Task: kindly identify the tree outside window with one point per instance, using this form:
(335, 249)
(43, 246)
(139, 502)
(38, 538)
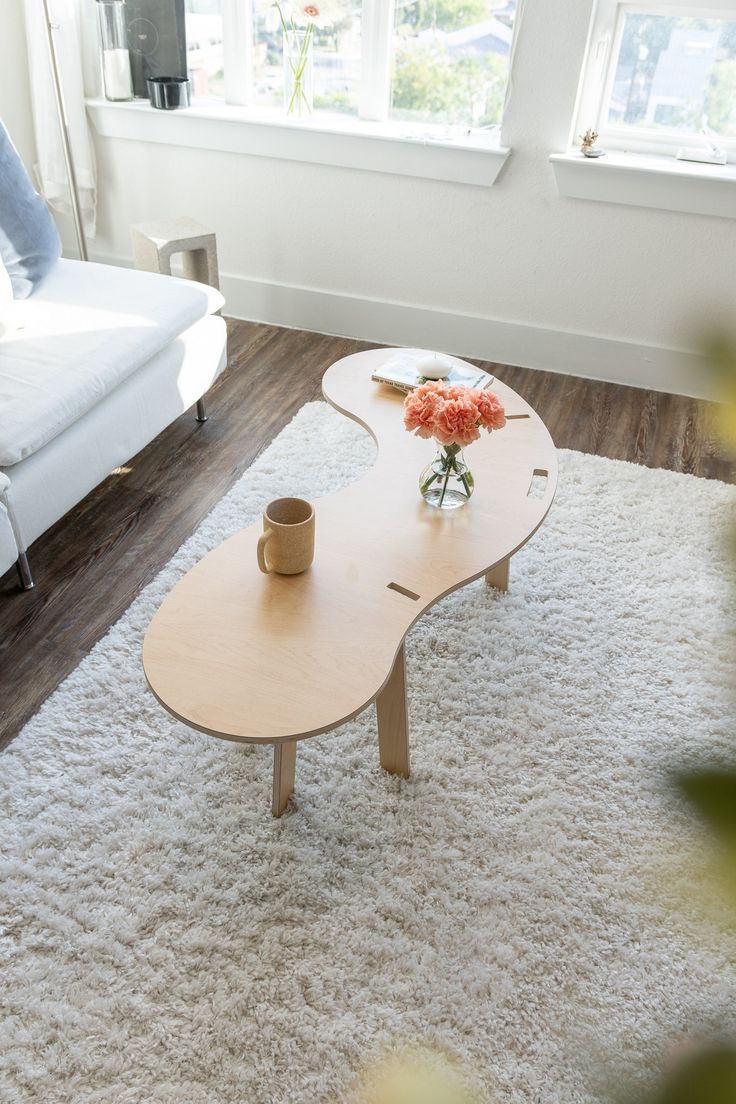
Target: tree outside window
(451, 60)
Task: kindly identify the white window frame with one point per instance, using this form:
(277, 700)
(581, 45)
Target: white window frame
(599, 71)
(376, 27)
(237, 42)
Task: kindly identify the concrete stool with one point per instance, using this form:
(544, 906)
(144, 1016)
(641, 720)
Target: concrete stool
(155, 243)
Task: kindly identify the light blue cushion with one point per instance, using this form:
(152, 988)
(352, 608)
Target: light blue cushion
(29, 241)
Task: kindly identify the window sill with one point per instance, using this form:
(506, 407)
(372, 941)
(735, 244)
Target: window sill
(475, 158)
(643, 180)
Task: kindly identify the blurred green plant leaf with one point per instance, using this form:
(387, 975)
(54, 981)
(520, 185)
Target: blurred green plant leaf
(707, 1077)
(719, 347)
(713, 793)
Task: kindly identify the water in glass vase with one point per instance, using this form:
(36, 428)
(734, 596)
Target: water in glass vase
(299, 72)
(448, 481)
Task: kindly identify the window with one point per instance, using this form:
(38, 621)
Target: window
(450, 60)
(661, 76)
(205, 50)
(419, 63)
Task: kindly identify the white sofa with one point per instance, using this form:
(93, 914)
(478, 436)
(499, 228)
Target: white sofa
(99, 360)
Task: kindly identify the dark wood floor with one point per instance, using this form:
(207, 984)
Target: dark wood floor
(91, 565)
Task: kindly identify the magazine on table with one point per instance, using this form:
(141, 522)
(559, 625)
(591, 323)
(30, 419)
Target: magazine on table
(401, 372)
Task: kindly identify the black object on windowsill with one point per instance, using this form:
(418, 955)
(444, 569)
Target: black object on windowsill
(168, 93)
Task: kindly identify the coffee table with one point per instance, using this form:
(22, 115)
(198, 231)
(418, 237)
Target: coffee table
(273, 659)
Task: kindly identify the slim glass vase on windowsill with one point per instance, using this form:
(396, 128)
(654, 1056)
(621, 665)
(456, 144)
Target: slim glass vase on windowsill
(298, 72)
(116, 76)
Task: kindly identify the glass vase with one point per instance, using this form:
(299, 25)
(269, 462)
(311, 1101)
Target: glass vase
(448, 481)
(116, 77)
(298, 72)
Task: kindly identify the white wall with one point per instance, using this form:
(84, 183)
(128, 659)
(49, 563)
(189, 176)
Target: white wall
(15, 96)
(513, 272)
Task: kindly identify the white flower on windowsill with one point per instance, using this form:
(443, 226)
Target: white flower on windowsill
(296, 17)
(319, 17)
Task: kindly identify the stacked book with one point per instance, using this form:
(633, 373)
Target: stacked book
(406, 370)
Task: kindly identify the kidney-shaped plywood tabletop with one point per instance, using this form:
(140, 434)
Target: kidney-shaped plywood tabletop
(265, 658)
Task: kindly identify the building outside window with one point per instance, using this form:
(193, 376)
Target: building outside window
(660, 76)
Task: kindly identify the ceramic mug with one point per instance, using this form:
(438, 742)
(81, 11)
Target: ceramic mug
(287, 544)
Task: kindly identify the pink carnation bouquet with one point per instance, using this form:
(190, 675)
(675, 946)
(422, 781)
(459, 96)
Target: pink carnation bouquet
(454, 416)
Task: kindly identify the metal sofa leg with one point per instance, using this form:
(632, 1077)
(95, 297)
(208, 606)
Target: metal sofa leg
(24, 572)
(22, 564)
(201, 411)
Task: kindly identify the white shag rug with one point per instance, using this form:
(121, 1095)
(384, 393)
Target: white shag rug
(163, 939)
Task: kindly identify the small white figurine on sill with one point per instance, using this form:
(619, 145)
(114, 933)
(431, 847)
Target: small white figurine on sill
(588, 146)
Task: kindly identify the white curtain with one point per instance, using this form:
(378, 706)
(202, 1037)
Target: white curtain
(50, 169)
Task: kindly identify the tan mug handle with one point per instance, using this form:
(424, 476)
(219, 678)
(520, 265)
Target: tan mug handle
(261, 551)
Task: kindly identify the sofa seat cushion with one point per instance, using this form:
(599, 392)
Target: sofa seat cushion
(85, 329)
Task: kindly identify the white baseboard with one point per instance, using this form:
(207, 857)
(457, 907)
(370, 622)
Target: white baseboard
(655, 367)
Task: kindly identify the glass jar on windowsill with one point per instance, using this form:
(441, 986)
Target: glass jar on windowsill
(114, 56)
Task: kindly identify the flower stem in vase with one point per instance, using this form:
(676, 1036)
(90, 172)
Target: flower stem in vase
(447, 482)
(298, 70)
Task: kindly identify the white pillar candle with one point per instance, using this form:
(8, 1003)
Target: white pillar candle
(433, 366)
(116, 74)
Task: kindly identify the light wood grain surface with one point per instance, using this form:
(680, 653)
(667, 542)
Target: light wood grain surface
(393, 720)
(258, 658)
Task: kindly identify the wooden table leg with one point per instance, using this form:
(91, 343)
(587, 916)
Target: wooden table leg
(284, 772)
(498, 576)
(393, 721)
